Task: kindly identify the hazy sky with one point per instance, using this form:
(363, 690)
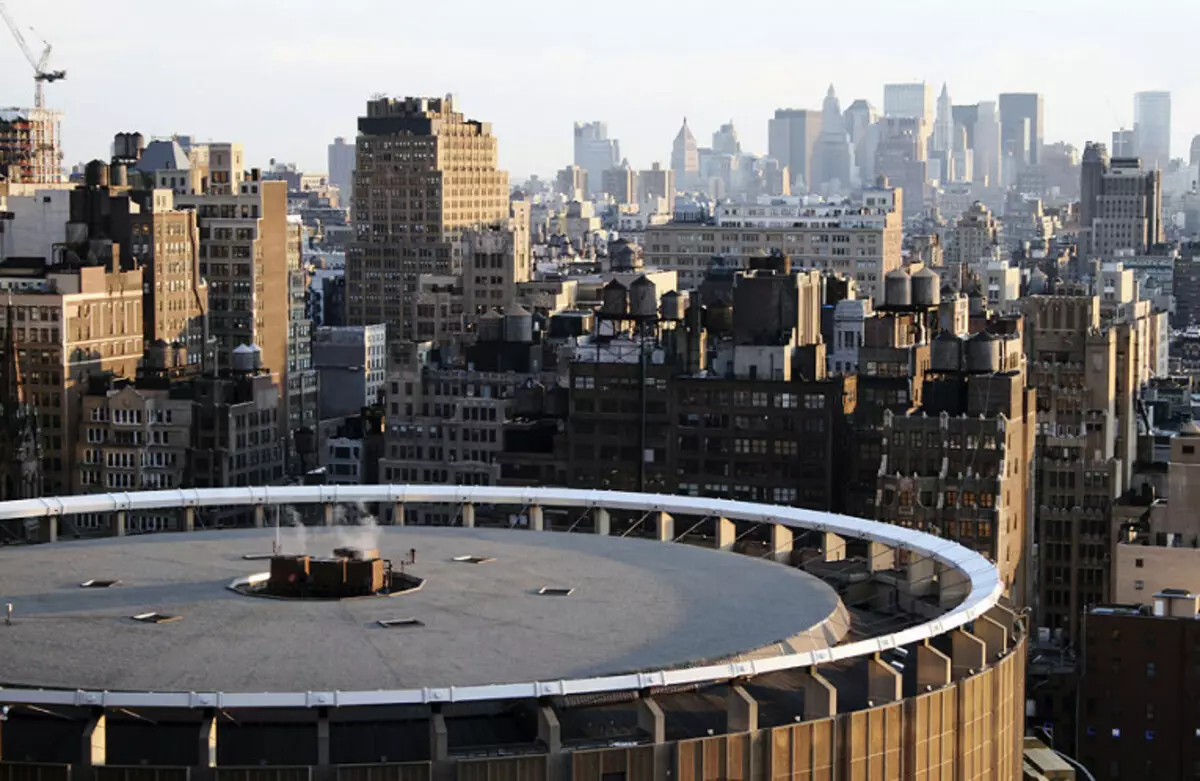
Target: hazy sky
(286, 76)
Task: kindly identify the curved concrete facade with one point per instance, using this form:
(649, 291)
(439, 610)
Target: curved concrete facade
(929, 686)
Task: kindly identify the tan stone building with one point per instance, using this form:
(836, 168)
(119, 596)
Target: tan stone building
(495, 260)
(70, 324)
(861, 241)
(424, 175)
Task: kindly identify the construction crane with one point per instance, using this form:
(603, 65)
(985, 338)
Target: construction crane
(40, 75)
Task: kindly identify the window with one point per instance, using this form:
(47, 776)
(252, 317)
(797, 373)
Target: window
(1139, 563)
(1151, 669)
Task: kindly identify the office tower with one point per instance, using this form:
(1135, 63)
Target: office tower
(792, 139)
(1152, 128)
(1022, 127)
(974, 240)
(620, 183)
(1194, 152)
(859, 119)
(901, 158)
(832, 155)
(30, 145)
(944, 142)
(572, 182)
(341, 169)
(243, 255)
(909, 101)
(658, 182)
(685, 158)
(595, 152)
(725, 140)
(1120, 206)
(986, 147)
(71, 322)
(1124, 143)
(448, 159)
(236, 437)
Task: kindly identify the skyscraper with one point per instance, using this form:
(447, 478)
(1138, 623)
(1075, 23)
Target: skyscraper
(685, 158)
(447, 164)
(1152, 128)
(792, 138)
(860, 121)
(986, 146)
(831, 164)
(909, 101)
(595, 152)
(1120, 205)
(341, 169)
(943, 143)
(1022, 127)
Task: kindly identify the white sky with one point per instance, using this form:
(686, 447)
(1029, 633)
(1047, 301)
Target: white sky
(286, 76)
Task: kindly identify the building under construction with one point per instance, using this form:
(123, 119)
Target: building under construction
(30, 145)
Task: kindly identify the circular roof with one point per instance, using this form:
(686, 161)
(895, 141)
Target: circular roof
(635, 605)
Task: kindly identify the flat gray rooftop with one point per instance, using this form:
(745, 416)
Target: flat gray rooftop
(637, 604)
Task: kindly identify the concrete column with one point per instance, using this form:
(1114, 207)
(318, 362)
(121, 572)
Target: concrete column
(741, 711)
(967, 653)
(94, 750)
(933, 668)
(920, 576)
(328, 512)
(189, 519)
(537, 521)
(117, 524)
(206, 742)
(602, 520)
(48, 529)
(820, 696)
(993, 635)
(398, 514)
(883, 681)
(782, 541)
(880, 557)
(260, 516)
(439, 738)
(549, 731)
(651, 720)
(726, 534)
(468, 515)
(953, 586)
(323, 737)
(664, 526)
(833, 547)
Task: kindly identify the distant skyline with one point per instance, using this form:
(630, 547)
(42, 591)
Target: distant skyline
(284, 77)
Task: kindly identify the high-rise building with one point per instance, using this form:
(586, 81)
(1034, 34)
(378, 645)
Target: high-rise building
(1022, 127)
(860, 121)
(658, 182)
(243, 255)
(946, 148)
(572, 182)
(725, 140)
(1152, 128)
(352, 361)
(685, 158)
(902, 157)
(595, 152)
(1120, 206)
(426, 147)
(20, 438)
(71, 322)
(909, 101)
(30, 145)
(341, 169)
(301, 381)
(620, 183)
(986, 145)
(832, 155)
(792, 139)
(1124, 143)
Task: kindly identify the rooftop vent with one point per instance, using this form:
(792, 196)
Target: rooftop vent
(99, 583)
(549, 591)
(399, 623)
(473, 559)
(155, 618)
